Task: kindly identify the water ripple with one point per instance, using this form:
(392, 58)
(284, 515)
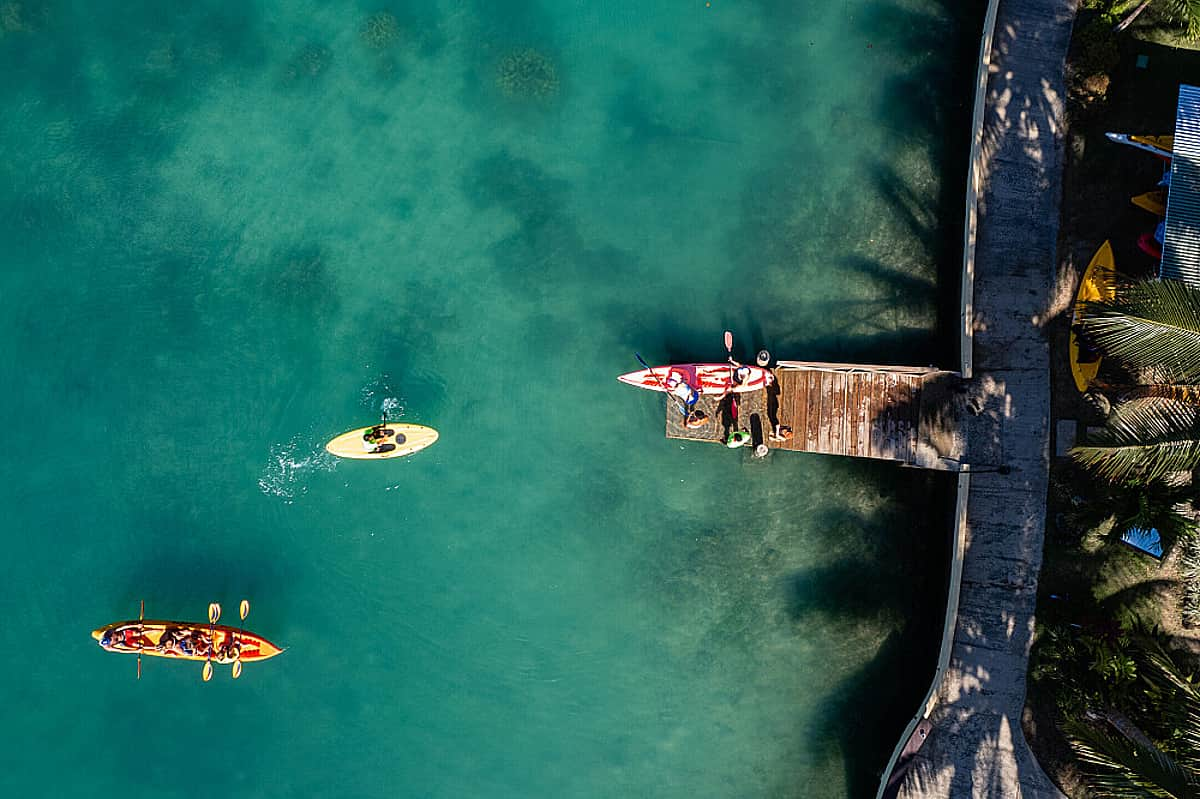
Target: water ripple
(290, 466)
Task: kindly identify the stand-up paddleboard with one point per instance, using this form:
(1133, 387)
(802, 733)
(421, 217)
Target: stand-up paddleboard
(1153, 201)
(1162, 146)
(394, 441)
(1097, 284)
(707, 378)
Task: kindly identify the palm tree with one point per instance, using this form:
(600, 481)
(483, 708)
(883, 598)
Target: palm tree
(1151, 332)
(1186, 12)
(1124, 762)
(1144, 440)
(1120, 507)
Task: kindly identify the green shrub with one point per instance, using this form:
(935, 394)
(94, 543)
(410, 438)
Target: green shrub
(1095, 49)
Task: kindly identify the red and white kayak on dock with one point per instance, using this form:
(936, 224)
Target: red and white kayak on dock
(707, 378)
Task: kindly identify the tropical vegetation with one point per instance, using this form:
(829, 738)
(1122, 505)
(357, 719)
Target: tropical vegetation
(1123, 13)
(1122, 697)
(1149, 335)
(1159, 754)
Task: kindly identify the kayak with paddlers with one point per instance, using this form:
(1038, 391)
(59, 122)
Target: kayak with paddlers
(182, 640)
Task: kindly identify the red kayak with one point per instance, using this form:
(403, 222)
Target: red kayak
(1149, 245)
(706, 378)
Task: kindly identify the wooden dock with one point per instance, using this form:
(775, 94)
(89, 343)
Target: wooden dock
(897, 413)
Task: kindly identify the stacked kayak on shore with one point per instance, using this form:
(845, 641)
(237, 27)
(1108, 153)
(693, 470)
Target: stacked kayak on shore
(1161, 146)
(1097, 285)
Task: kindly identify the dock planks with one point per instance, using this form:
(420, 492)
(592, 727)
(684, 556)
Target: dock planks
(834, 409)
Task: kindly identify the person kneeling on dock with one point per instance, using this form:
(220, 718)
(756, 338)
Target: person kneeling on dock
(684, 391)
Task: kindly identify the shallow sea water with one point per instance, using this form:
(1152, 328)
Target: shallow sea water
(233, 230)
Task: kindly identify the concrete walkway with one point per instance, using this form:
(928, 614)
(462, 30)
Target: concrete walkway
(976, 747)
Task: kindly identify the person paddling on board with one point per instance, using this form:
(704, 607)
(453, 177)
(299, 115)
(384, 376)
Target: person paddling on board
(375, 436)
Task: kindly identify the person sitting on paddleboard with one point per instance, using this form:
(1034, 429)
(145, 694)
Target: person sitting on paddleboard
(374, 437)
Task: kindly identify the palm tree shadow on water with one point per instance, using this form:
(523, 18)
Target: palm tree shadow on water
(929, 103)
(906, 307)
(900, 584)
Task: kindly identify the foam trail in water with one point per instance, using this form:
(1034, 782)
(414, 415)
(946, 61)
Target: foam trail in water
(286, 474)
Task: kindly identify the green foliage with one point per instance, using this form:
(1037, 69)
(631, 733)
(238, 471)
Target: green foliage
(1189, 571)
(1185, 13)
(1117, 507)
(1120, 760)
(1151, 326)
(1084, 669)
(1120, 767)
(1150, 331)
(1144, 440)
(1095, 48)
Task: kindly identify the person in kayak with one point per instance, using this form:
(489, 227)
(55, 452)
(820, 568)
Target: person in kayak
(230, 651)
(169, 641)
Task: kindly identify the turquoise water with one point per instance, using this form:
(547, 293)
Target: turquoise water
(232, 231)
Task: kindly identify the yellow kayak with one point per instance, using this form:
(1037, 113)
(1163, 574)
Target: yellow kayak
(1153, 201)
(1164, 144)
(1097, 284)
(388, 440)
(184, 641)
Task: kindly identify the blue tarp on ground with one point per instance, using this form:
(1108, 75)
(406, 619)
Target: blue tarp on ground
(1144, 539)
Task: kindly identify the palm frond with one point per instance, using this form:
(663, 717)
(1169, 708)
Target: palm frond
(1117, 767)
(1150, 325)
(1179, 393)
(1187, 13)
(1144, 440)
(1162, 668)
